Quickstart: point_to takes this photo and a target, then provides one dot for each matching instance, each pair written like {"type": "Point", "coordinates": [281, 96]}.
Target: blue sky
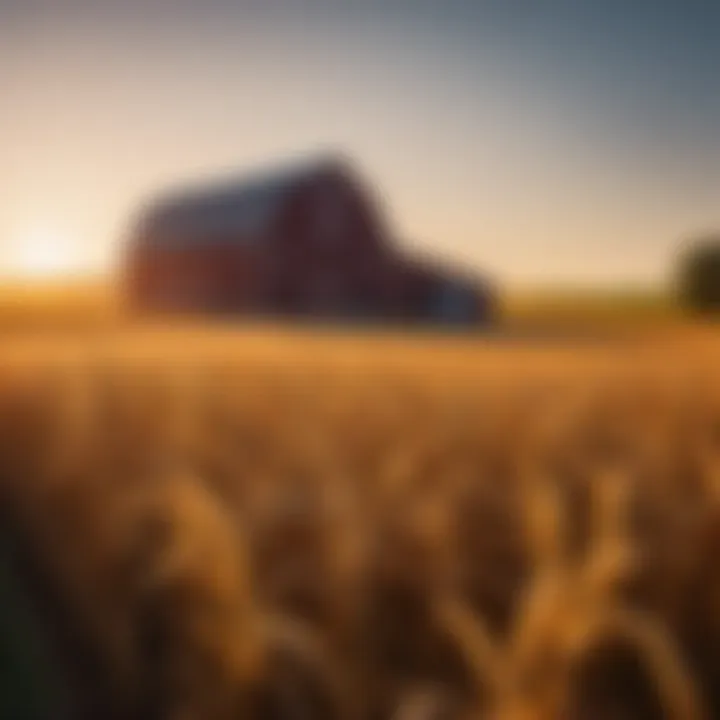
{"type": "Point", "coordinates": [549, 141]}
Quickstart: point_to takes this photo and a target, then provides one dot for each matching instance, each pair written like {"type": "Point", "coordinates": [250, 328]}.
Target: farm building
{"type": "Point", "coordinates": [303, 241]}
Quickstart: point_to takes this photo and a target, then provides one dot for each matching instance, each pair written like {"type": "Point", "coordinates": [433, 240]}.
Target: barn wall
{"type": "Point", "coordinates": [331, 274]}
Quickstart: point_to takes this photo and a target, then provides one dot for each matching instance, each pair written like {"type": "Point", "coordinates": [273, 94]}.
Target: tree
{"type": "Point", "coordinates": [699, 276]}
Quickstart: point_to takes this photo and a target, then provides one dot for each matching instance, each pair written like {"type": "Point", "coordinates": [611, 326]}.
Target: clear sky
{"type": "Point", "coordinates": [545, 140]}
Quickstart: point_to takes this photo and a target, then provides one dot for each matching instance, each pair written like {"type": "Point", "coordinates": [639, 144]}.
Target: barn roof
{"type": "Point", "coordinates": [241, 206]}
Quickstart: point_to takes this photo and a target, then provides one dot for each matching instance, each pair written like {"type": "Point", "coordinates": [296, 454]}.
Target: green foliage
{"type": "Point", "coordinates": [699, 276]}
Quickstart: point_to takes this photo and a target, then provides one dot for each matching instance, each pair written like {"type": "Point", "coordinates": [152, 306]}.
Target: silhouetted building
{"type": "Point", "coordinates": [307, 240]}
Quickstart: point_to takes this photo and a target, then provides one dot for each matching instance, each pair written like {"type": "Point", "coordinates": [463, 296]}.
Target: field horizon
{"type": "Point", "coordinates": [98, 301]}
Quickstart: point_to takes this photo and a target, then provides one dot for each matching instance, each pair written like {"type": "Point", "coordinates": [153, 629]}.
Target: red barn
{"type": "Point", "coordinates": [309, 240]}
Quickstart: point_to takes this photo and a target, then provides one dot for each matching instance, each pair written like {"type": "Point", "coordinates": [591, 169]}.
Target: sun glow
{"type": "Point", "coordinates": [42, 253]}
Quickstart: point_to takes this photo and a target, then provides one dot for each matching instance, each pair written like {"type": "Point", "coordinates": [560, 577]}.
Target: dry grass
{"type": "Point", "coordinates": [90, 304]}
{"type": "Point", "coordinates": [288, 527]}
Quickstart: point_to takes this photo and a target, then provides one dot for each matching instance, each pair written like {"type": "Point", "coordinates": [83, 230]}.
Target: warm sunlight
{"type": "Point", "coordinates": [41, 253]}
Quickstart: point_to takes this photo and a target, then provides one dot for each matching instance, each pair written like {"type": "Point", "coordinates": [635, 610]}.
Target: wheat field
{"type": "Point", "coordinates": [283, 525]}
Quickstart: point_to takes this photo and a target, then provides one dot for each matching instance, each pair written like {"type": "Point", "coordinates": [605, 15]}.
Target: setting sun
{"type": "Point", "coordinates": [41, 253]}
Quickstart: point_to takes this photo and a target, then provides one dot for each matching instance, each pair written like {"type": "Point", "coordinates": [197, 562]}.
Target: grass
{"type": "Point", "coordinates": [370, 527]}
{"type": "Point", "coordinates": [92, 304]}
{"type": "Point", "coordinates": [265, 523]}
{"type": "Point", "coordinates": [58, 307]}
{"type": "Point", "coordinates": [582, 306]}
